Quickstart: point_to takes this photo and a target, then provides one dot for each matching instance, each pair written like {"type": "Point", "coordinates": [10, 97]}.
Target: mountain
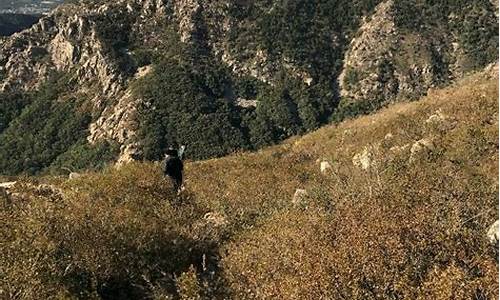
{"type": "Point", "coordinates": [125, 79]}
{"type": "Point", "coordinates": [401, 210]}
{"type": "Point", "coordinates": [29, 7]}
{"type": "Point", "coordinates": [11, 23]}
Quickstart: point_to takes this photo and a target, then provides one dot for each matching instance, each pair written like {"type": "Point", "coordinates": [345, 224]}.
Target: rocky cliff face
{"type": "Point", "coordinates": [94, 45]}
{"type": "Point", "coordinates": [72, 40]}
{"type": "Point", "coordinates": [386, 62]}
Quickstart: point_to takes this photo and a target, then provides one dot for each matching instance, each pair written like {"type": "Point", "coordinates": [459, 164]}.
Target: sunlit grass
{"type": "Point", "coordinates": [400, 230]}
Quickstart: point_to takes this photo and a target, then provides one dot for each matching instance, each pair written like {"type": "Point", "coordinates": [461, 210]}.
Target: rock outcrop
{"type": "Point", "coordinates": [300, 197]}
{"type": "Point", "coordinates": [365, 159]}
{"type": "Point", "coordinates": [385, 62]}
{"type": "Point", "coordinates": [325, 167]}
{"type": "Point", "coordinates": [421, 148]}
{"type": "Point", "coordinates": [73, 40]}
{"type": "Point", "coordinates": [493, 233]}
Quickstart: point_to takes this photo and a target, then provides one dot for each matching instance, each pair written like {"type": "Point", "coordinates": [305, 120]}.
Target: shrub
{"type": "Point", "coordinates": [83, 156]}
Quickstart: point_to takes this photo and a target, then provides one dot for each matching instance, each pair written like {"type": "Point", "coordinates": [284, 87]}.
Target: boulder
{"type": "Point", "coordinates": [8, 185]}
{"type": "Point", "coordinates": [440, 121]}
{"type": "Point", "coordinates": [300, 196]}
{"type": "Point", "coordinates": [420, 148]}
{"type": "Point", "coordinates": [325, 167]}
{"type": "Point", "coordinates": [364, 159]}
{"type": "Point", "coordinates": [4, 189]}
{"type": "Point", "coordinates": [74, 175]}
{"type": "Point", "coordinates": [493, 233]}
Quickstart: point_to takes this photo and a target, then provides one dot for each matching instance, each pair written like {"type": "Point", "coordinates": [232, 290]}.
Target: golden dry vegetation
{"type": "Point", "coordinates": [410, 226]}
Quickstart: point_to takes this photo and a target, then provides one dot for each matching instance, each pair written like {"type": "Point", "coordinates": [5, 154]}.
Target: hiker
{"type": "Point", "coordinates": [173, 167]}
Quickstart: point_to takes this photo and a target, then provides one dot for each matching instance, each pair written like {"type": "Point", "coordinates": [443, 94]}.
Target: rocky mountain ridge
{"type": "Point", "coordinates": [388, 62]}
{"type": "Point", "coordinates": [97, 44]}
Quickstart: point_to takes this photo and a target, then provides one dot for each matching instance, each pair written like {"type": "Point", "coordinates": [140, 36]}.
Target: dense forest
{"type": "Point", "coordinates": [190, 96]}
{"type": "Point", "coordinates": [45, 131]}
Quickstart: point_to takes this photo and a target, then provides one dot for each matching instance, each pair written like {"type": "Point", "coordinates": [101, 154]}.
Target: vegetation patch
{"type": "Point", "coordinates": [403, 228]}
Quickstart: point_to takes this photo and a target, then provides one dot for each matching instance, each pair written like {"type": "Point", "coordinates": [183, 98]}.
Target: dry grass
{"type": "Point", "coordinates": [400, 230]}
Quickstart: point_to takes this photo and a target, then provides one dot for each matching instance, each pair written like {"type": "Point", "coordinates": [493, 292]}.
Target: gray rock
{"type": "Point", "coordinates": [74, 175]}
{"type": "Point", "coordinates": [493, 233]}
{"type": "Point", "coordinates": [325, 167]}
{"type": "Point", "coordinates": [436, 118]}
{"type": "Point", "coordinates": [364, 159]}
{"type": "Point", "coordinates": [129, 153]}
{"type": "Point", "coordinates": [420, 148]}
{"type": "Point", "coordinates": [8, 185]}
{"type": "Point", "coordinates": [245, 103]}
{"type": "Point", "coordinates": [300, 196]}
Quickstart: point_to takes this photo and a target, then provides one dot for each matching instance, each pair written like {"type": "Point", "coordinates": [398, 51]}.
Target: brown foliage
{"type": "Point", "coordinates": [400, 230]}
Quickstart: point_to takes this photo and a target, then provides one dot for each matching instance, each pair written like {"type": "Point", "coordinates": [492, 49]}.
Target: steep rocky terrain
{"type": "Point", "coordinates": [294, 60]}
{"type": "Point", "coordinates": [394, 57]}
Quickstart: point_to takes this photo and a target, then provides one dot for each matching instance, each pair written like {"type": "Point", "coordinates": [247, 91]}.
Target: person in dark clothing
{"type": "Point", "coordinates": [173, 168]}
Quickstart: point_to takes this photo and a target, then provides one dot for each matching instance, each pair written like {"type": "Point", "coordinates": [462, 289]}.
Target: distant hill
{"type": "Point", "coordinates": [11, 23]}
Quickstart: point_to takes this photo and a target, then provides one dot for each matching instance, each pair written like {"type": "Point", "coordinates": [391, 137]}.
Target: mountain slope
{"type": "Point", "coordinates": [11, 23]}
{"type": "Point", "coordinates": [401, 213]}
{"type": "Point", "coordinates": [245, 74]}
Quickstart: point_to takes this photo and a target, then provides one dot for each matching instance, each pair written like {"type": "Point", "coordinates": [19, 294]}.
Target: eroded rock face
{"type": "Point", "coordinates": [118, 122]}
{"type": "Point", "coordinates": [185, 12]}
{"type": "Point", "coordinates": [71, 40]}
{"type": "Point", "coordinates": [60, 42]}
{"type": "Point", "coordinates": [385, 63]}
{"type": "Point", "coordinates": [128, 153]}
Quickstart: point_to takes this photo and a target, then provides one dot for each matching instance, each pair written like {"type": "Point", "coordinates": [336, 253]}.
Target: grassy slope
{"type": "Point", "coordinates": [399, 230]}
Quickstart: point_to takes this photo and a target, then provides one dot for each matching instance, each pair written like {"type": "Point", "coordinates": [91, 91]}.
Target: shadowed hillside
{"type": "Point", "coordinates": [401, 211]}
{"type": "Point", "coordinates": [11, 23]}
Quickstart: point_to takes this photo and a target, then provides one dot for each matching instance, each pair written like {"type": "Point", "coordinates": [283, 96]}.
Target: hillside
{"type": "Point", "coordinates": [125, 79]}
{"type": "Point", "coordinates": [11, 23]}
{"type": "Point", "coordinates": [402, 213]}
